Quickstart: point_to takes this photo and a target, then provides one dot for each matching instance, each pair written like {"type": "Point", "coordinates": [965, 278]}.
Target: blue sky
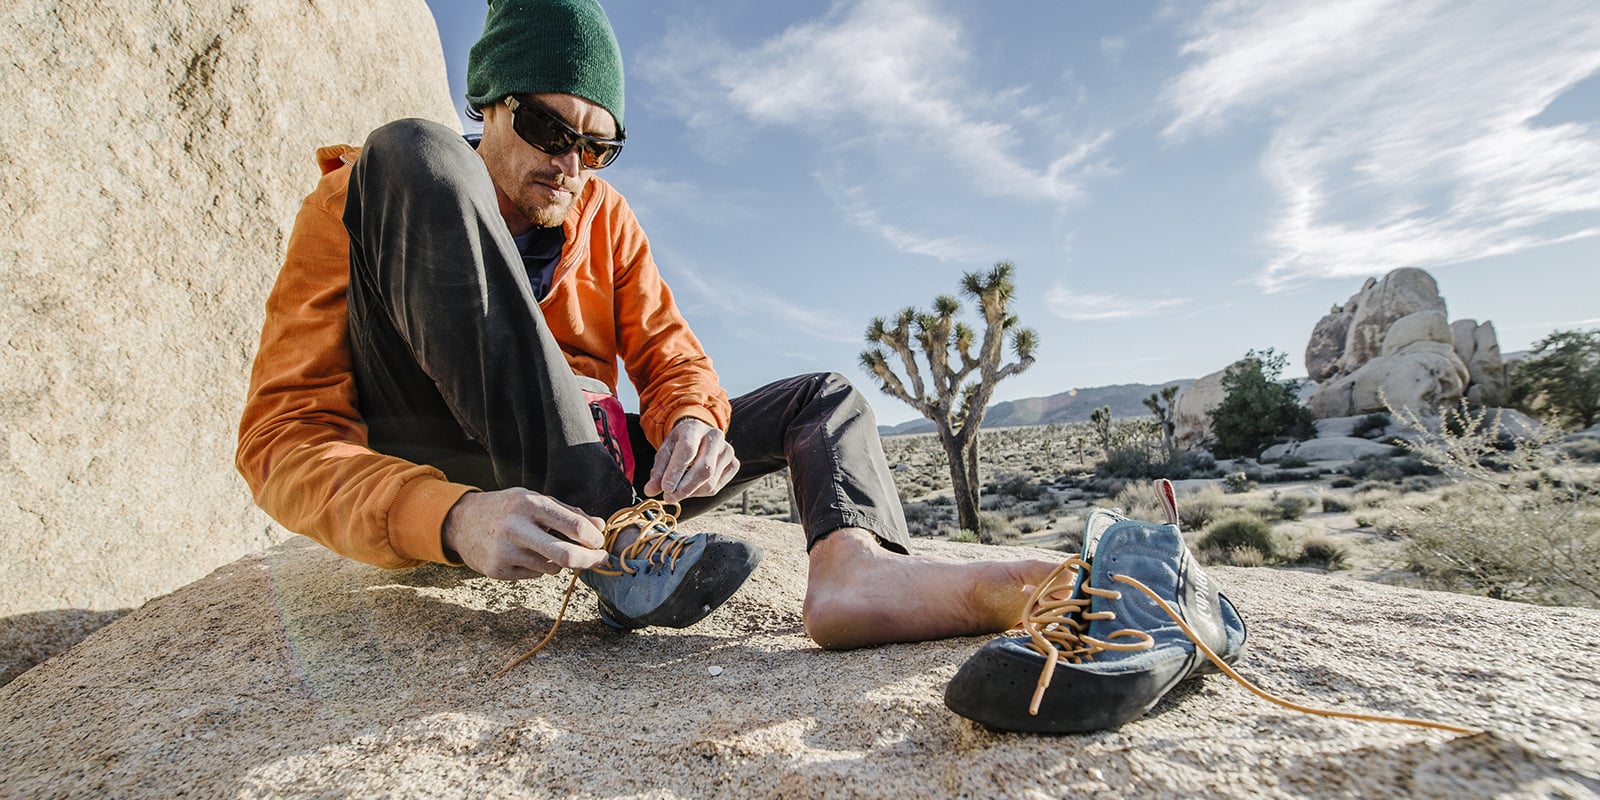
{"type": "Point", "coordinates": [1177, 183]}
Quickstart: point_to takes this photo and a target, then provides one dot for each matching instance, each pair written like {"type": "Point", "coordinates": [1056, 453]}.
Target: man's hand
{"type": "Point", "coordinates": [514, 534]}
{"type": "Point", "coordinates": [693, 461]}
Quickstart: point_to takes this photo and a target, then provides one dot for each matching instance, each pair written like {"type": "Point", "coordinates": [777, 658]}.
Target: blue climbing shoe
{"type": "Point", "coordinates": [666, 577]}
{"type": "Point", "coordinates": [1099, 652]}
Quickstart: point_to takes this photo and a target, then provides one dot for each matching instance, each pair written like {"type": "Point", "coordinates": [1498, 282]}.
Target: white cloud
{"type": "Point", "coordinates": [1079, 307]}
{"type": "Point", "coordinates": [879, 82]}
{"type": "Point", "coordinates": [738, 300]}
{"type": "Point", "coordinates": [952, 249]}
{"type": "Point", "coordinates": [1401, 131]}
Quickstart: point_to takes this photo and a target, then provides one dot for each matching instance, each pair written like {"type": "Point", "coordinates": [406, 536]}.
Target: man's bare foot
{"type": "Point", "coordinates": [860, 594]}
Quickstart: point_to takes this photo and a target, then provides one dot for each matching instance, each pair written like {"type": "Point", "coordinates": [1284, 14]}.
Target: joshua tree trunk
{"type": "Point", "coordinates": [954, 403]}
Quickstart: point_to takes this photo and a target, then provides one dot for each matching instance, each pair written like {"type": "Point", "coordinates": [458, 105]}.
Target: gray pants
{"type": "Point", "coordinates": [455, 366]}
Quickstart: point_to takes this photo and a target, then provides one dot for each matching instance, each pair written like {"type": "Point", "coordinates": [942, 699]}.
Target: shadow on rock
{"type": "Point", "coordinates": [27, 640]}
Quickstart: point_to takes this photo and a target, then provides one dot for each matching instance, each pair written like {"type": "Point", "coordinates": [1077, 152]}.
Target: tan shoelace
{"type": "Point", "coordinates": [1057, 627]}
{"type": "Point", "coordinates": [653, 545]}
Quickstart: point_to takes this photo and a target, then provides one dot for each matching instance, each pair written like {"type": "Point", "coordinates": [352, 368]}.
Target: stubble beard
{"type": "Point", "coordinates": [551, 214]}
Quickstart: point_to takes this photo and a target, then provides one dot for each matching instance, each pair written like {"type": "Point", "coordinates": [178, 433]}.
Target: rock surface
{"type": "Point", "coordinates": [1192, 410]}
{"type": "Point", "coordinates": [1393, 340]}
{"type": "Point", "coordinates": [155, 155]}
{"type": "Point", "coordinates": [293, 673]}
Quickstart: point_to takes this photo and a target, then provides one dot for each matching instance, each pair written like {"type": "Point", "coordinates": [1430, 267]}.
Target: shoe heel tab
{"type": "Point", "coordinates": [1169, 500]}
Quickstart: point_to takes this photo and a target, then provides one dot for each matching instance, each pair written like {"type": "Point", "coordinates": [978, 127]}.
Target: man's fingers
{"type": "Point", "coordinates": [566, 554]}
{"type": "Point", "coordinates": [572, 523]}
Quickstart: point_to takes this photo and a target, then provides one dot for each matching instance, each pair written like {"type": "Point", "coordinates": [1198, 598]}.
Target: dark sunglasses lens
{"type": "Point", "coordinates": [596, 155]}
{"type": "Point", "coordinates": [541, 132]}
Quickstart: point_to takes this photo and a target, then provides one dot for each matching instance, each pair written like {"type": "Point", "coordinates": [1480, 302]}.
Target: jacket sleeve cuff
{"type": "Point", "coordinates": [665, 422]}
{"type": "Point", "coordinates": [416, 519]}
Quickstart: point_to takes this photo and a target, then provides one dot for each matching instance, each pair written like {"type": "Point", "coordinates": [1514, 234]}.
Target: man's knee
{"type": "Point", "coordinates": [419, 151]}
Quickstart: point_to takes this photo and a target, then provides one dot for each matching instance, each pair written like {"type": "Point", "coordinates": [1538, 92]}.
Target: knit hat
{"type": "Point", "coordinates": [546, 46]}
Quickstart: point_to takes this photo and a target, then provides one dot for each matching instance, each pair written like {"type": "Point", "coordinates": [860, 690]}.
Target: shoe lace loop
{"type": "Point", "coordinates": [1057, 622]}
{"type": "Point", "coordinates": [656, 521]}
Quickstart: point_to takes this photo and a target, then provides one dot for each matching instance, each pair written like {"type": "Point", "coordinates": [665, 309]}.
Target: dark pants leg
{"type": "Point", "coordinates": [820, 427]}
{"type": "Point", "coordinates": [454, 364]}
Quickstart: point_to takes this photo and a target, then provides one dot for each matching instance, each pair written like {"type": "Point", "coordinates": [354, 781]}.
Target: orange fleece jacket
{"type": "Point", "coordinates": [302, 442]}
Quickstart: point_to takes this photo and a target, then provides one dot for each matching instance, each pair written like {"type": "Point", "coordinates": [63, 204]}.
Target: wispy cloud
{"type": "Point", "coordinates": [1079, 307]}
{"type": "Point", "coordinates": [953, 249]}
{"type": "Point", "coordinates": [1402, 132]}
{"type": "Point", "coordinates": [878, 82]}
{"type": "Point", "coordinates": [735, 299]}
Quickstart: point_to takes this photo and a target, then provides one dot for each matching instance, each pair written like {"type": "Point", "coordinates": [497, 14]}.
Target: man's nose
{"type": "Point", "coordinates": [569, 162]}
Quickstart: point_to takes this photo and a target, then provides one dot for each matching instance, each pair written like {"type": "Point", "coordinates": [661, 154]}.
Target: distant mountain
{"type": "Point", "coordinates": [1073, 405]}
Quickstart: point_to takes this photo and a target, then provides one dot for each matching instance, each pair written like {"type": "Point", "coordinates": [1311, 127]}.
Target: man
{"type": "Point", "coordinates": [419, 392]}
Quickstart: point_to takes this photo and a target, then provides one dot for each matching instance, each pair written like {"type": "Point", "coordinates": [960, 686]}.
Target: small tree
{"type": "Point", "coordinates": [1560, 382]}
{"type": "Point", "coordinates": [1165, 409]}
{"type": "Point", "coordinates": [1100, 418]}
{"type": "Point", "coordinates": [959, 382]}
{"type": "Point", "coordinates": [1256, 407]}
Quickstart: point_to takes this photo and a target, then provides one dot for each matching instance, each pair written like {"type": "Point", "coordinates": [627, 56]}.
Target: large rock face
{"type": "Point", "coordinates": [1393, 340]}
{"type": "Point", "coordinates": [155, 154]}
{"type": "Point", "coordinates": [1191, 417]}
{"type": "Point", "coordinates": [293, 673]}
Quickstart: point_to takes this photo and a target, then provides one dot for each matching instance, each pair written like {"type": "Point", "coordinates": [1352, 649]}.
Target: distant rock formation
{"type": "Point", "coordinates": [295, 673]}
{"type": "Point", "coordinates": [1393, 341]}
{"type": "Point", "coordinates": [155, 155]}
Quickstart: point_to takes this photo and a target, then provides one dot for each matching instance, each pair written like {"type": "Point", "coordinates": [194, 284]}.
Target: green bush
{"type": "Point", "coordinates": [1560, 381]}
{"type": "Point", "coordinates": [1240, 532]}
{"type": "Point", "coordinates": [1256, 407]}
{"type": "Point", "coordinates": [1333, 505]}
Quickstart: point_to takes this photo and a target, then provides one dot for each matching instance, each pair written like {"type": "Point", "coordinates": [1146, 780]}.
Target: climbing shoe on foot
{"type": "Point", "coordinates": [666, 577]}
{"type": "Point", "coordinates": [1098, 651]}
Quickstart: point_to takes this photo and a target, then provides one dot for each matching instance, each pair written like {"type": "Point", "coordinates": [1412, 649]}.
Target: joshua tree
{"type": "Point", "coordinates": [1101, 419]}
{"type": "Point", "coordinates": [1165, 409]}
{"type": "Point", "coordinates": [958, 382]}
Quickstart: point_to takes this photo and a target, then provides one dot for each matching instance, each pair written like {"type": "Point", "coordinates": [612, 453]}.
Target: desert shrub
{"type": "Point", "coordinates": [1021, 487]}
{"type": "Point", "coordinates": [1139, 501]}
{"type": "Point", "coordinates": [1246, 557]}
{"type": "Point", "coordinates": [1291, 506]}
{"type": "Point", "coordinates": [1240, 532]}
{"type": "Point", "coordinates": [1197, 509]}
{"type": "Point", "coordinates": [964, 535]}
{"type": "Point", "coordinates": [1515, 525]}
{"type": "Point", "coordinates": [1388, 468]}
{"type": "Point", "coordinates": [1292, 462]}
{"type": "Point", "coordinates": [998, 527]}
{"type": "Point", "coordinates": [1342, 482]}
{"type": "Point", "coordinates": [1290, 475]}
{"type": "Point", "coordinates": [1321, 551]}
{"type": "Point", "coordinates": [1371, 426]}
{"type": "Point", "coordinates": [1237, 482]}
{"type": "Point", "coordinates": [1333, 505]}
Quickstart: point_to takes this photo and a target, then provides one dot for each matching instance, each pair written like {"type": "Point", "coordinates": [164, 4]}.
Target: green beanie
{"type": "Point", "coordinates": [546, 46]}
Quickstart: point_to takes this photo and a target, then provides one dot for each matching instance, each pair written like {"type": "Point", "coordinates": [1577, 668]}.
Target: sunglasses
{"type": "Point", "coordinates": [547, 133]}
